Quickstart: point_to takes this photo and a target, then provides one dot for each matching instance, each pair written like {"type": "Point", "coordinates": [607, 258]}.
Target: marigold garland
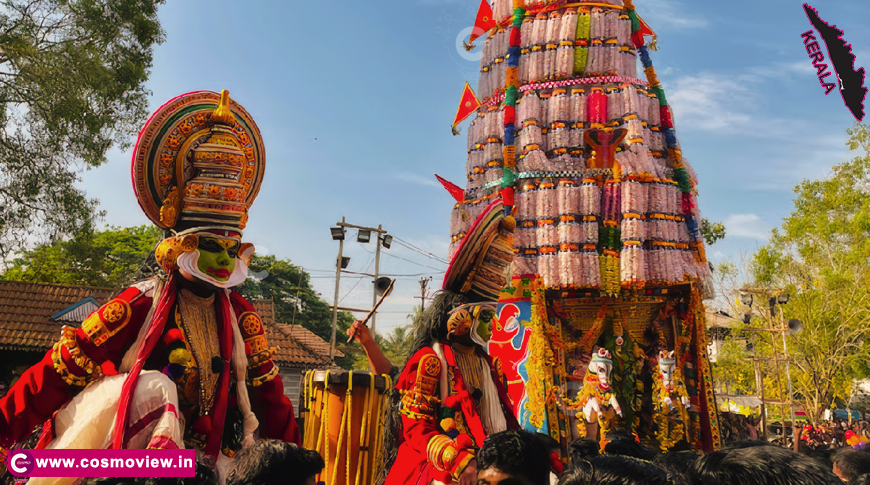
{"type": "Point", "coordinates": [669, 434]}
{"type": "Point", "coordinates": [541, 359]}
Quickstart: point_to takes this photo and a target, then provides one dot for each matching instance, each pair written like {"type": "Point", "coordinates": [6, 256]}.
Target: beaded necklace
{"type": "Point", "coordinates": [199, 323]}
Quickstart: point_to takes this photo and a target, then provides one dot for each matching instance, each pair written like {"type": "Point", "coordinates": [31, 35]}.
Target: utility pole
{"type": "Point", "coordinates": [422, 297]}
{"type": "Point", "coordinates": [377, 268]}
{"type": "Point", "coordinates": [783, 327]}
{"type": "Point", "coordinates": [774, 297]}
{"type": "Point", "coordinates": [335, 300]}
{"type": "Point", "coordinates": [381, 238]}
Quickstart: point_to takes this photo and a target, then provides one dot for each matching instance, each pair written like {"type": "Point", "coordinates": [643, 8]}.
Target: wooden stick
{"type": "Point", "coordinates": [374, 308]}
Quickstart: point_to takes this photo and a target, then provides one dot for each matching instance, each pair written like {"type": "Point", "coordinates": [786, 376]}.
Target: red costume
{"type": "Point", "coordinates": [453, 397]}
{"type": "Point", "coordinates": [440, 437]}
{"type": "Point", "coordinates": [48, 385]}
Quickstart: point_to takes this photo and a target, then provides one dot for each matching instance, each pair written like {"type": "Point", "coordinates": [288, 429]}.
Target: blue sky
{"type": "Point", "coordinates": [355, 101]}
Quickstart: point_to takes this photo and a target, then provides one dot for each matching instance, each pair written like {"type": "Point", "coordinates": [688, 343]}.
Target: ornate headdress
{"type": "Point", "coordinates": [198, 164]}
{"type": "Point", "coordinates": [479, 268]}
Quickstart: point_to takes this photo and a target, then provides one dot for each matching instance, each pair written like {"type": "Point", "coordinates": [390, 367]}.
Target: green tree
{"type": "Point", "coordinates": [110, 258]}
{"type": "Point", "coordinates": [819, 256]}
{"type": "Point", "coordinates": [72, 84]}
{"type": "Point", "coordinates": [396, 346]}
{"type": "Point", "coordinates": [712, 231]}
{"type": "Point", "coordinates": [296, 302]}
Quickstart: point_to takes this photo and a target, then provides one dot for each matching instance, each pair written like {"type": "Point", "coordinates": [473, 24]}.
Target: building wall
{"type": "Point", "coordinates": [292, 378]}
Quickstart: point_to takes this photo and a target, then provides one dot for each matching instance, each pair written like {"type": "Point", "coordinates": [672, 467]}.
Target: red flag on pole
{"type": "Point", "coordinates": [482, 23]}
{"type": "Point", "coordinates": [644, 31]}
{"type": "Point", "coordinates": [467, 105]}
{"type": "Point", "coordinates": [454, 190]}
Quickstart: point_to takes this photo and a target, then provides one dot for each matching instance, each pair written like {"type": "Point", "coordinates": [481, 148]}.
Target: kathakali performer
{"type": "Point", "coordinates": [452, 395]}
{"type": "Point", "coordinates": [178, 361]}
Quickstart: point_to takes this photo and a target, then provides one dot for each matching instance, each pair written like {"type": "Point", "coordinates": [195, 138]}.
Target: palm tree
{"type": "Point", "coordinates": [398, 344]}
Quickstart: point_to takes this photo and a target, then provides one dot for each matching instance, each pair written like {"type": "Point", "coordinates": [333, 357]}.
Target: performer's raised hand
{"type": "Point", "coordinates": [360, 332]}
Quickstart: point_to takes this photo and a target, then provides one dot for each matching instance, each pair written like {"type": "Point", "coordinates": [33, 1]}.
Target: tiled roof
{"type": "Point", "coordinates": [309, 339]}
{"type": "Point", "coordinates": [26, 310]}
{"type": "Point", "coordinates": [291, 350]}
{"type": "Point", "coordinates": [721, 319]}
{"type": "Point", "coordinates": [26, 324]}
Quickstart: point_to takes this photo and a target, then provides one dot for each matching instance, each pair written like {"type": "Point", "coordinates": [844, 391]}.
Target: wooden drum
{"type": "Point", "coordinates": [344, 419]}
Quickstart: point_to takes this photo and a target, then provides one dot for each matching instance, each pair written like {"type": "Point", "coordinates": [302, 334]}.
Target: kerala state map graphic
{"type": "Point", "coordinates": [851, 81]}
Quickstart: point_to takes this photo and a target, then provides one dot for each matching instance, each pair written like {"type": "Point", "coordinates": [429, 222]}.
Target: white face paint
{"type": "Point", "coordinates": [603, 370]}
{"type": "Point", "coordinates": [666, 367]}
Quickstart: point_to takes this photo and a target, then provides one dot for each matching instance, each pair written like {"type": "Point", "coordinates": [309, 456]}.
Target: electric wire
{"type": "Point", "coordinates": [420, 251]}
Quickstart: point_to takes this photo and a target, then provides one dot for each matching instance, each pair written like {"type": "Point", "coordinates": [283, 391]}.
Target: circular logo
{"type": "Point", "coordinates": [20, 463]}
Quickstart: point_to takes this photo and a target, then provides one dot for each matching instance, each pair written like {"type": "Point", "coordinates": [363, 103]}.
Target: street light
{"type": "Point", "coordinates": [782, 299]}
{"type": "Point", "coordinates": [337, 233]}
{"type": "Point", "coordinates": [345, 260]}
{"type": "Point", "coordinates": [363, 236]}
{"type": "Point", "coordinates": [387, 240]}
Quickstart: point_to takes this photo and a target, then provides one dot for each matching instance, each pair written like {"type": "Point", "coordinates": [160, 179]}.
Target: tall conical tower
{"type": "Point", "coordinates": [604, 199]}
{"type": "Point", "coordinates": [607, 249]}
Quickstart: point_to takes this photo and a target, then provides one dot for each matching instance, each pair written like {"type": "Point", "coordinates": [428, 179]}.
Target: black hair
{"type": "Point", "coordinates": [739, 445]}
{"type": "Point", "coordinates": [851, 463]}
{"type": "Point", "coordinates": [629, 447]}
{"type": "Point", "coordinates": [676, 464]}
{"type": "Point", "coordinates": [679, 461]}
{"type": "Point", "coordinates": [273, 462]}
{"type": "Point", "coordinates": [861, 480]}
{"type": "Point", "coordinates": [822, 456]}
{"type": "Point", "coordinates": [614, 470]}
{"type": "Point", "coordinates": [431, 325]}
{"type": "Point", "coordinates": [204, 476]}
{"type": "Point", "coordinates": [517, 453]}
{"type": "Point", "coordinates": [759, 465]}
{"type": "Point", "coordinates": [583, 449]}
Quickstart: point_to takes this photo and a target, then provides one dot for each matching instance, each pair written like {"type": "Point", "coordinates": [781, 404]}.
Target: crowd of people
{"type": "Point", "coordinates": [516, 457]}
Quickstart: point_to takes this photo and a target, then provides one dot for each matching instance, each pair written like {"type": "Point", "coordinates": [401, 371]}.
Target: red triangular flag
{"type": "Point", "coordinates": [454, 190]}
{"type": "Point", "coordinates": [644, 31]}
{"type": "Point", "coordinates": [467, 104]}
{"type": "Point", "coordinates": [483, 22]}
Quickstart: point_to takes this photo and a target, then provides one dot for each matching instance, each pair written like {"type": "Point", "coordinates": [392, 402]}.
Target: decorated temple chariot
{"type": "Point", "coordinates": [601, 329]}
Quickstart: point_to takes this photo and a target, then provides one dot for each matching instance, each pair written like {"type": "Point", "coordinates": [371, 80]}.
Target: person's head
{"type": "Point", "coordinates": [758, 465]}
{"type": "Point", "coordinates": [513, 454]}
{"type": "Point", "coordinates": [584, 449]}
{"type": "Point", "coordinates": [848, 464]}
{"type": "Point", "coordinates": [676, 463]}
{"type": "Point", "coordinates": [627, 446]}
{"type": "Point", "coordinates": [273, 462]}
{"type": "Point", "coordinates": [747, 444]}
{"type": "Point", "coordinates": [204, 476]}
{"type": "Point", "coordinates": [214, 258]}
{"type": "Point", "coordinates": [614, 470]}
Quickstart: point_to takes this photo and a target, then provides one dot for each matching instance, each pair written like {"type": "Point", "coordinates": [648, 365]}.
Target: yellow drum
{"type": "Point", "coordinates": [344, 419]}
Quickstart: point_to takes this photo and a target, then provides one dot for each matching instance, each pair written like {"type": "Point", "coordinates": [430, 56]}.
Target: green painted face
{"type": "Point", "coordinates": [217, 257]}
{"type": "Point", "coordinates": [482, 327]}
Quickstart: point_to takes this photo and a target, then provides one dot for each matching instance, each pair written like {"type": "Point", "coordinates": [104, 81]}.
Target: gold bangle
{"type": "Point", "coordinates": [68, 340]}
{"type": "Point", "coordinates": [259, 381]}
